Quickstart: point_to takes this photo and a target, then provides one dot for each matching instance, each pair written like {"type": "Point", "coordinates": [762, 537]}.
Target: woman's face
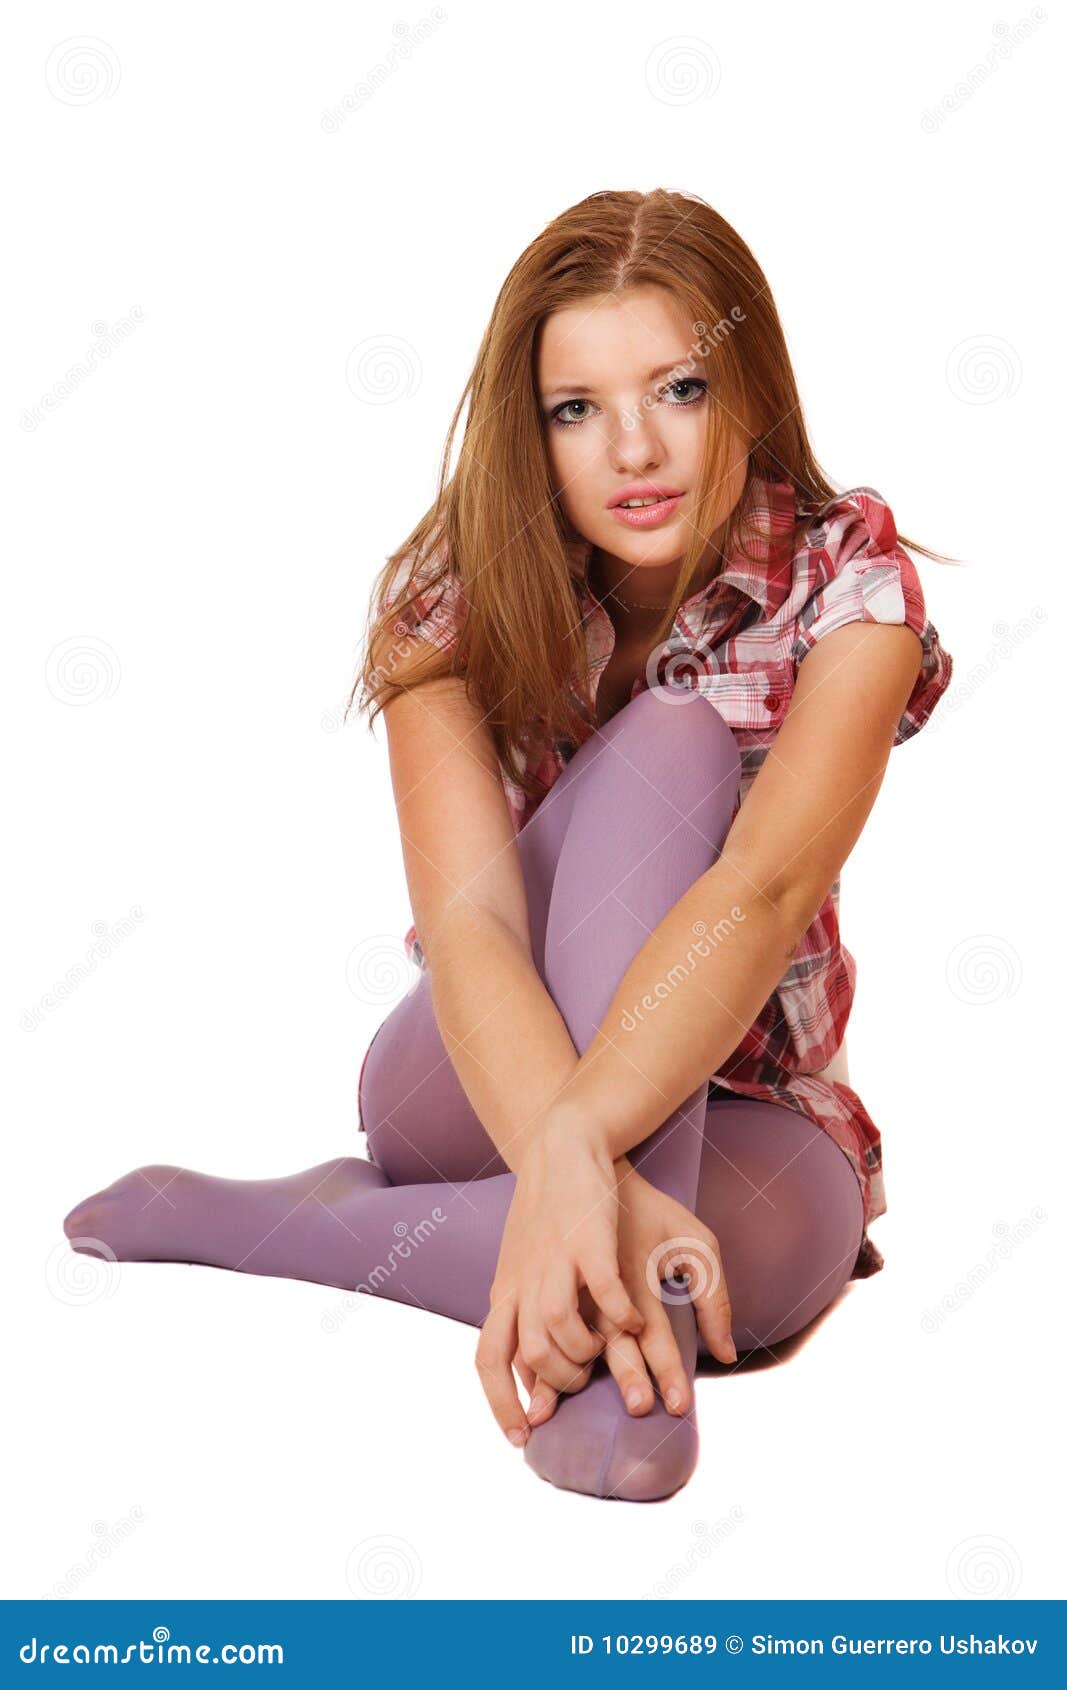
{"type": "Point", "coordinates": [623, 393]}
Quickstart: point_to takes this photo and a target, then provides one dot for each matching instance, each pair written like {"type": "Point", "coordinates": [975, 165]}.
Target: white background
{"type": "Point", "coordinates": [203, 517]}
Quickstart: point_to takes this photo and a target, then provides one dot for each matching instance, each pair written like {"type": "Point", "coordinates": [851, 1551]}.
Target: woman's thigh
{"type": "Point", "coordinates": [786, 1208]}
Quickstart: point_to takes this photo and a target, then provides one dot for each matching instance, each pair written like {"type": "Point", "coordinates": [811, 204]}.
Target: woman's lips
{"type": "Point", "coordinates": [648, 516]}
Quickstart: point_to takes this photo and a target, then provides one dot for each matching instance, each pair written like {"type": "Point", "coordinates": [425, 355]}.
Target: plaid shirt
{"type": "Point", "coordinates": [740, 641]}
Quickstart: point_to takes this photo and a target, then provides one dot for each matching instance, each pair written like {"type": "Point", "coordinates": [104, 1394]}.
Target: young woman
{"type": "Point", "coordinates": [641, 669]}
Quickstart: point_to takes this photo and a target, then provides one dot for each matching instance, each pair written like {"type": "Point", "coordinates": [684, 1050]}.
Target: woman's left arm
{"type": "Point", "coordinates": [701, 978]}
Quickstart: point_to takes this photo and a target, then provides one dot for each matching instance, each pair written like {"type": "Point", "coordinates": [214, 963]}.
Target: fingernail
{"type": "Point", "coordinates": [516, 1437]}
{"type": "Point", "coordinates": [731, 1348]}
{"type": "Point", "coordinates": [674, 1397]}
{"type": "Point", "coordinates": [634, 1397]}
{"type": "Point", "coordinates": [538, 1404]}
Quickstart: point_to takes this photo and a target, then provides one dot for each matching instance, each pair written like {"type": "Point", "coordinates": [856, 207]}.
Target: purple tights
{"type": "Point", "coordinates": [639, 813]}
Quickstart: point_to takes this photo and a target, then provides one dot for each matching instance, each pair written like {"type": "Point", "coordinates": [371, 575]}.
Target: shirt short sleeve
{"type": "Point", "coordinates": [860, 573]}
{"type": "Point", "coordinates": [436, 612]}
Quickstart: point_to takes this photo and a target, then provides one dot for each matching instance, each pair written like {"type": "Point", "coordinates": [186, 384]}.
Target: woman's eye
{"type": "Point", "coordinates": [568, 422]}
{"type": "Point", "coordinates": [699, 388]}
{"type": "Point", "coordinates": [693, 391]}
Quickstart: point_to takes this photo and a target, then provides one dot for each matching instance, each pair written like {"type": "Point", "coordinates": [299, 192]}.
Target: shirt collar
{"type": "Point", "coordinates": [763, 570]}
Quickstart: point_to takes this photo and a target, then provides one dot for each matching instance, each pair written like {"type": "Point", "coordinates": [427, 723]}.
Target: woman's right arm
{"type": "Point", "coordinates": [506, 1039]}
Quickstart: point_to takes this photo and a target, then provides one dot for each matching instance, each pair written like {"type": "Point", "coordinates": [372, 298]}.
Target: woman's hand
{"type": "Point", "coordinates": [560, 1236]}
{"type": "Point", "coordinates": [657, 1239]}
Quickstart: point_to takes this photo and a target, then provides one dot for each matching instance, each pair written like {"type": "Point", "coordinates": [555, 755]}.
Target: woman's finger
{"type": "Point", "coordinates": [660, 1350]}
{"type": "Point", "coordinates": [622, 1353]}
{"type": "Point", "coordinates": [492, 1358]}
{"type": "Point", "coordinates": [559, 1311]}
{"type": "Point", "coordinates": [541, 1352]}
{"type": "Point", "coordinates": [610, 1294]}
{"type": "Point", "coordinates": [708, 1294]}
{"type": "Point", "coordinates": [543, 1401]}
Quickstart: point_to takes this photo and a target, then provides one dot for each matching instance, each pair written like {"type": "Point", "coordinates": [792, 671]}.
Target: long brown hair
{"type": "Point", "coordinates": [495, 535]}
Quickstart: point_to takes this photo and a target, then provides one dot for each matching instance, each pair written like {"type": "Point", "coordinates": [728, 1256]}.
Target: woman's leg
{"type": "Point", "coordinates": [435, 1242]}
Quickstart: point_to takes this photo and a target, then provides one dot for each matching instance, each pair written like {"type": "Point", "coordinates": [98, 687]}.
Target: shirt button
{"type": "Point", "coordinates": [772, 701]}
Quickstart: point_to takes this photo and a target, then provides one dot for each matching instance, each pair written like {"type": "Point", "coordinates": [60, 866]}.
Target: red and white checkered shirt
{"type": "Point", "coordinates": [740, 641]}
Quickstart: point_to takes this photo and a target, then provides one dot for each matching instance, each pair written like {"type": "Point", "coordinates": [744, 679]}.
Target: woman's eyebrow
{"type": "Point", "coordinates": [579, 387]}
